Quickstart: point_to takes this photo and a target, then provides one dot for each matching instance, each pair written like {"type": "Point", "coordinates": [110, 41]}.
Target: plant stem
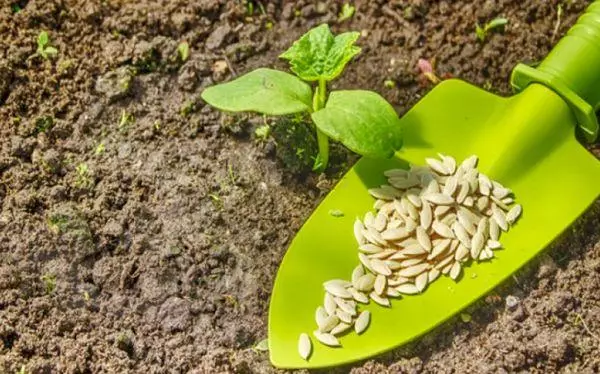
{"type": "Point", "coordinates": [322, 138]}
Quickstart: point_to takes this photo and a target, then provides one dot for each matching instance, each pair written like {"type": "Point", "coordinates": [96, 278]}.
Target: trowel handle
{"type": "Point", "coordinates": [572, 69]}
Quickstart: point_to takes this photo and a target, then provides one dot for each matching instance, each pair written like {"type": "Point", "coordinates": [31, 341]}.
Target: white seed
{"type": "Point", "coordinates": [329, 303]}
{"type": "Point", "coordinates": [391, 292]}
{"type": "Point", "coordinates": [461, 253]}
{"type": "Point", "coordinates": [449, 163]}
{"type": "Point", "coordinates": [446, 269]}
{"type": "Point", "coordinates": [414, 200]}
{"type": "Point", "coordinates": [410, 225]}
{"type": "Point", "coordinates": [341, 328]}
{"type": "Point", "coordinates": [366, 282]}
{"type": "Point", "coordinates": [421, 281]}
{"type": "Point", "coordinates": [358, 228]}
{"type": "Point", "coordinates": [364, 260]}
{"type": "Point", "coordinates": [348, 306]}
{"type": "Point", "coordinates": [381, 255]}
{"type": "Point", "coordinates": [380, 267]}
{"type": "Point", "coordinates": [379, 204]}
{"type": "Point", "coordinates": [439, 248]}
{"type": "Point", "coordinates": [485, 186]}
{"type": "Point", "coordinates": [437, 166]}
{"type": "Point", "coordinates": [369, 219]}
{"type": "Point", "coordinates": [380, 284]}
{"type": "Point", "coordinates": [461, 234]}
{"type": "Point", "coordinates": [381, 300]}
{"type": "Point", "coordinates": [448, 219]}
{"type": "Point", "coordinates": [359, 296]}
{"type": "Point", "coordinates": [455, 270]}
{"type": "Point", "coordinates": [494, 230]}
{"type": "Point", "coordinates": [514, 213]}
{"type": "Point", "coordinates": [381, 193]}
{"type": "Point", "coordinates": [358, 272]}
{"type": "Point", "coordinates": [465, 220]}
{"type": "Point", "coordinates": [408, 289]}
{"type": "Point", "coordinates": [441, 210]}
{"type": "Point", "coordinates": [337, 290]}
{"type": "Point", "coordinates": [396, 281]}
{"type": "Point", "coordinates": [320, 316]}
{"type": "Point", "coordinates": [469, 201]}
{"type": "Point", "coordinates": [470, 162]}
{"type": "Point", "coordinates": [446, 259]}
{"type": "Point", "coordinates": [411, 262]}
{"type": "Point", "coordinates": [395, 234]}
{"type": "Point", "coordinates": [403, 183]}
{"type": "Point", "coordinates": [463, 192]}
{"type": "Point", "coordinates": [304, 346]}
{"type": "Point", "coordinates": [380, 222]}
{"type": "Point", "coordinates": [477, 244]}
{"type": "Point", "coordinates": [433, 275]}
{"type": "Point", "coordinates": [329, 323]}
{"type": "Point", "coordinates": [425, 216]}
{"type": "Point", "coordinates": [343, 316]}
{"type": "Point", "coordinates": [413, 250]}
{"type": "Point", "coordinates": [326, 339]}
{"type": "Point", "coordinates": [396, 173]}
{"type": "Point", "coordinates": [450, 187]}
{"type": "Point", "coordinates": [499, 217]}
{"type": "Point", "coordinates": [413, 270]}
{"type": "Point", "coordinates": [508, 200]}
{"type": "Point", "coordinates": [362, 322]}
{"type": "Point", "coordinates": [439, 198]}
{"type": "Point", "coordinates": [500, 192]}
{"type": "Point", "coordinates": [482, 203]}
{"type": "Point", "coordinates": [482, 226]}
{"type": "Point", "coordinates": [374, 236]}
{"type": "Point", "coordinates": [338, 282]}
{"type": "Point", "coordinates": [423, 239]}
{"type": "Point", "coordinates": [493, 244]}
{"type": "Point", "coordinates": [432, 187]}
{"type": "Point", "coordinates": [393, 265]}
{"type": "Point", "coordinates": [442, 229]}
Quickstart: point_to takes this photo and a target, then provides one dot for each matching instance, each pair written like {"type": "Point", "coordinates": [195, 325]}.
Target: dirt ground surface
{"type": "Point", "coordinates": [140, 230]}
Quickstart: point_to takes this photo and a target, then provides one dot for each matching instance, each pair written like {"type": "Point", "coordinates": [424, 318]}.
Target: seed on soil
{"type": "Point", "coordinates": [427, 222]}
{"type": "Point", "coordinates": [304, 346]}
{"type": "Point", "coordinates": [326, 338]}
{"type": "Point", "coordinates": [362, 322]}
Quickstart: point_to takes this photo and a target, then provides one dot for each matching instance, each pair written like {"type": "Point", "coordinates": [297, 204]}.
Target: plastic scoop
{"type": "Point", "coordinates": [526, 142]}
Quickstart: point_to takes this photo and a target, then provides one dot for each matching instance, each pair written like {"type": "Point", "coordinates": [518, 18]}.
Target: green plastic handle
{"type": "Point", "coordinates": [572, 69]}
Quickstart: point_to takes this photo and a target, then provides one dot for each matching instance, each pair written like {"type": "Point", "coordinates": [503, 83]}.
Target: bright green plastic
{"type": "Point", "coordinates": [571, 70]}
{"type": "Point", "coordinates": [527, 142]}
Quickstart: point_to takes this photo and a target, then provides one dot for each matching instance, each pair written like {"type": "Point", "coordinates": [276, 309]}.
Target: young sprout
{"type": "Point", "coordinates": [427, 70]}
{"type": "Point", "coordinates": [346, 13]}
{"type": "Point", "coordinates": [183, 51]}
{"type": "Point", "coordinates": [493, 24]}
{"type": "Point", "coordinates": [361, 120]}
{"type": "Point", "coordinates": [262, 132]}
{"type": "Point", "coordinates": [44, 49]}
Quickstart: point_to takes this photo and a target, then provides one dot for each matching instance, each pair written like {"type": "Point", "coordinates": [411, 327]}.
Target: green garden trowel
{"type": "Point", "coordinates": [526, 142]}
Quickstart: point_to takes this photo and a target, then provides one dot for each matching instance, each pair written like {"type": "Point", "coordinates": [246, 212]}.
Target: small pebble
{"type": "Point", "coordinates": [512, 302]}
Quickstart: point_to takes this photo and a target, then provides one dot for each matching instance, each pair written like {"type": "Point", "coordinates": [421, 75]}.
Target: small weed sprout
{"type": "Point", "coordinates": [482, 32]}
{"type": "Point", "coordinates": [262, 132]}
{"type": "Point", "coordinates": [125, 121]}
{"type": "Point", "coordinates": [44, 48]}
{"type": "Point", "coordinates": [183, 51]}
{"type": "Point", "coordinates": [346, 13]}
{"type": "Point", "coordinates": [361, 120]}
{"type": "Point", "coordinates": [49, 283]}
{"type": "Point", "coordinates": [100, 148]}
{"type": "Point", "coordinates": [84, 179]}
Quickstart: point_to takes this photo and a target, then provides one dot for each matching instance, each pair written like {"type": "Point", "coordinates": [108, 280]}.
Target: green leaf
{"type": "Point", "coordinates": [183, 49]}
{"type": "Point", "coordinates": [51, 51]}
{"type": "Point", "coordinates": [265, 91]}
{"type": "Point", "coordinates": [496, 22]}
{"type": "Point", "coordinates": [346, 13]}
{"type": "Point", "coordinates": [363, 121]}
{"type": "Point", "coordinates": [480, 32]}
{"type": "Point", "coordinates": [320, 55]}
{"type": "Point", "coordinates": [43, 39]}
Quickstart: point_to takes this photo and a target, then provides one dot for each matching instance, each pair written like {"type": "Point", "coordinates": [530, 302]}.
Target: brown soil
{"type": "Point", "coordinates": [141, 232]}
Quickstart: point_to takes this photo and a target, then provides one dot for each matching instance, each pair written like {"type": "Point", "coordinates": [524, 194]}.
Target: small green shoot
{"type": "Point", "coordinates": [361, 120]}
{"type": "Point", "coordinates": [15, 8]}
{"type": "Point", "coordinates": [125, 121]}
{"type": "Point", "coordinates": [389, 84]}
{"type": "Point", "coordinates": [58, 223]}
{"type": "Point", "coordinates": [482, 32]}
{"type": "Point", "coordinates": [336, 213]}
{"type": "Point", "coordinates": [261, 346]}
{"type": "Point", "coordinates": [44, 49]}
{"type": "Point", "coordinates": [84, 179]}
{"type": "Point", "coordinates": [346, 13]}
{"type": "Point", "coordinates": [100, 148]}
{"type": "Point", "coordinates": [231, 174]}
{"type": "Point", "coordinates": [43, 124]}
{"type": "Point", "coordinates": [183, 51]}
{"type": "Point", "coordinates": [465, 317]}
{"type": "Point", "coordinates": [49, 283]}
{"type": "Point", "coordinates": [262, 132]}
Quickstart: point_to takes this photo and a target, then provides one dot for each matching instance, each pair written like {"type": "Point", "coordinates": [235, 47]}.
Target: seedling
{"type": "Point", "coordinates": [83, 176]}
{"type": "Point", "coordinates": [49, 283]}
{"type": "Point", "coordinates": [125, 120]}
{"type": "Point", "coordinates": [262, 132]}
{"type": "Point", "coordinates": [183, 51]}
{"type": "Point", "coordinates": [44, 49]}
{"type": "Point", "coordinates": [493, 24]}
{"type": "Point", "coordinates": [346, 13]}
{"type": "Point", "coordinates": [361, 120]}
{"type": "Point", "coordinates": [100, 148]}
